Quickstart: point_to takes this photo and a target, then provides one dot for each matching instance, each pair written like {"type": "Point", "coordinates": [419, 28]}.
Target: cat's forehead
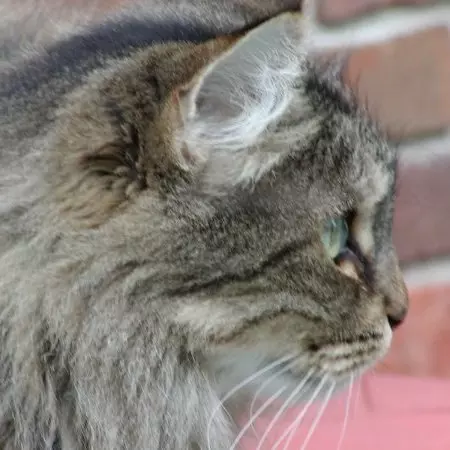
{"type": "Point", "coordinates": [334, 143]}
{"type": "Point", "coordinates": [353, 130]}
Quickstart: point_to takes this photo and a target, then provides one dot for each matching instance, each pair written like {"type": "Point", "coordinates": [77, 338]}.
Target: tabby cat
{"type": "Point", "coordinates": [192, 211]}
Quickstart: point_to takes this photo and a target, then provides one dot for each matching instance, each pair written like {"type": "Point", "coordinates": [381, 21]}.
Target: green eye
{"type": "Point", "coordinates": [335, 236]}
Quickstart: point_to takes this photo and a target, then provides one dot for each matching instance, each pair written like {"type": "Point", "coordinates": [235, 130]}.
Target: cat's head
{"type": "Point", "coordinates": [245, 199]}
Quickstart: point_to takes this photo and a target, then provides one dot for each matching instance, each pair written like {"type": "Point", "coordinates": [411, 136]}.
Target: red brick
{"type": "Point", "coordinates": [421, 345]}
{"type": "Point", "coordinates": [332, 11]}
{"type": "Point", "coordinates": [405, 82]}
{"type": "Point", "coordinates": [422, 216]}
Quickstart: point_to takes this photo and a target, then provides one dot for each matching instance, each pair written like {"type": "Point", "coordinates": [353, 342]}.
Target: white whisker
{"type": "Point", "coordinates": [347, 412]}
{"type": "Point", "coordinates": [240, 386]}
{"type": "Point", "coordinates": [296, 423]}
{"type": "Point", "coordinates": [283, 407]}
{"type": "Point", "coordinates": [265, 384]}
{"type": "Point", "coordinates": [357, 395]}
{"type": "Point", "coordinates": [319, 415]}
{"type": "Point", "coordinates": [258, 412]}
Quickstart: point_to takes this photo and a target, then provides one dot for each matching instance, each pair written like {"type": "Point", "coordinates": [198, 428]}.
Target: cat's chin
{"type": "Point", "coordinates": [248, 382]}
{"type": "Point", "coordinates": [244, 376]}
{"type": "Point", "coordinates": [305, 387]}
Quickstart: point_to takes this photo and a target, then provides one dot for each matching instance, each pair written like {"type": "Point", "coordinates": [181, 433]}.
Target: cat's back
{"type": "Point", "coordinates": [38, 69]}
{"type": "Point", "coordinates": [40, 62]}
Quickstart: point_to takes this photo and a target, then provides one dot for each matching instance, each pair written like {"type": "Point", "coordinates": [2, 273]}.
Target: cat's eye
{"type": "Point", "coordinates": [334, 236]}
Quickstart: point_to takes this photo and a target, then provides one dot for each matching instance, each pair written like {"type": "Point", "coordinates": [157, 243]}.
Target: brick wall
{"type": "Point", "coordinates": [400, 66]}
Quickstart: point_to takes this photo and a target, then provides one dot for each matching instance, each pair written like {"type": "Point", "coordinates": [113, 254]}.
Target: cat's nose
{"type": "Point", "coordinates": [397, 304]}
{"type": "Point", "coordinates": [397, 319]}
{"type": "Point", "coordinates": [391, 284]}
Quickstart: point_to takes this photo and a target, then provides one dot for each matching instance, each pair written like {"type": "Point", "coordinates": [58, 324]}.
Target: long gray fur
{"type": "Point", "coordinates": [132, 297]}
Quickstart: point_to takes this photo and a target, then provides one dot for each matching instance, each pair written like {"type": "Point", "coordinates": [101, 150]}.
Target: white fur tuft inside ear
{"type": "Point", "coordinates": [247, 89]}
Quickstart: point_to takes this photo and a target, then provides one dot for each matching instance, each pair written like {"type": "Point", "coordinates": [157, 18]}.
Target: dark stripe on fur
{"type": "Point", "coordinates": [82, 53]}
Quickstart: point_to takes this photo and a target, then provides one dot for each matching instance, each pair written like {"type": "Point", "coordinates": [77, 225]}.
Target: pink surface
{"type": "Point", "coordinates": [421, 346]}
{"type": "Point", "coordinates": [386, 412]}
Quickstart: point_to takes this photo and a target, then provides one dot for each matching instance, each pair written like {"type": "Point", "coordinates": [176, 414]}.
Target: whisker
{"type": "Point", "coordinates": [296, 423]}
{"type": "Point", "coordinates": [258, 412]}
{"type": "Point", "coordinates": [319, 415]}
{"type": "Point", "coordinates": [283, 407]}
{"type": "Point", "coordinates": [239, 386]}
{"type": "Point", "coordinates": [357, 394]}
{"type": "Point", "coordinates": [266, 383]}
{"type": "Point", "coordinates": [347, 412]}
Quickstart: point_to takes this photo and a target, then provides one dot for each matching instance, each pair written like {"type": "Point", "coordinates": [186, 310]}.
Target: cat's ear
{"type": "Point", "coordinates": [229, 105]}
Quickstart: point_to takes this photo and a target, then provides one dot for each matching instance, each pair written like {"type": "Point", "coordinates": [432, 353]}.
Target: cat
{"type": "Point", "coordinates": [192, 211]}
